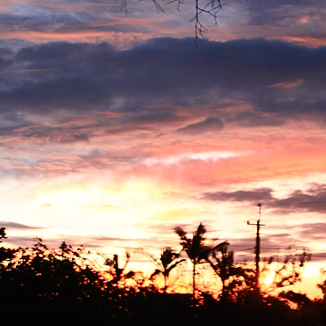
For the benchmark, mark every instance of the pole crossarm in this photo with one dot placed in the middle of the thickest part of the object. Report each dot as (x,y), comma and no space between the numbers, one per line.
(248,222)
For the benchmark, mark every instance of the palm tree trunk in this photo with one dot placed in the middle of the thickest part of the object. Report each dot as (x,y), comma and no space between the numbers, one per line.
(193,284)
(165,277)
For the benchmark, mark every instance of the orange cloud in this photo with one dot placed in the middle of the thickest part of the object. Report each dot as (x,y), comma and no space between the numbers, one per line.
(288,85)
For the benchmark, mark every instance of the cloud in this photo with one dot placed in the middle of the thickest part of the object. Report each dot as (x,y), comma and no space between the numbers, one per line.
(80,21)
(255,195)
(157,101)
(288,85)
(210,124)
(203,156)
(278,13)
(152,84)
(313,231)
(13,225)
(276,245)
(311,200)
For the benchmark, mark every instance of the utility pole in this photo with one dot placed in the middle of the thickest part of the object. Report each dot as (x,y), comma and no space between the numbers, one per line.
(257,251)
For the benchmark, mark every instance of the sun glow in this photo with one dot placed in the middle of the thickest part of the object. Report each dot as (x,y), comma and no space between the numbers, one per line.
(270,277)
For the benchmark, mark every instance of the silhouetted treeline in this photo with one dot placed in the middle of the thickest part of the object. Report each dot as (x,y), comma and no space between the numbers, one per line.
(43,286)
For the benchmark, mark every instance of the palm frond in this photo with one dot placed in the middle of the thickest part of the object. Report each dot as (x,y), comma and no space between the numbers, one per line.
(155,273)
(169,269)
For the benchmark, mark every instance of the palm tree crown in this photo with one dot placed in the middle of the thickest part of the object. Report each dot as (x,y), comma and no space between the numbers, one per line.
(169,259)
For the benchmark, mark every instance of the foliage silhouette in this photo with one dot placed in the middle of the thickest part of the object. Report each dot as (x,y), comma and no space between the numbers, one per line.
(169,260)
(322,285)
(297,298)
(116,272)
(198,252)
(222,262)
(43,274)
(289,270)
(2,233)
(66,286)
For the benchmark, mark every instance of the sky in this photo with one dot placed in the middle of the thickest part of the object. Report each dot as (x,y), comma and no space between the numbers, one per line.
(116,126)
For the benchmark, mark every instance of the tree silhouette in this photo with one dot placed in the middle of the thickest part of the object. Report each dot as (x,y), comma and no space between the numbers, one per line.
(168,260)
(196,249)
(118,273)
(65,286)
(288,271)
(297,298)
(6,255)
(223,266)
(39,273)
(2,233)
(322,285)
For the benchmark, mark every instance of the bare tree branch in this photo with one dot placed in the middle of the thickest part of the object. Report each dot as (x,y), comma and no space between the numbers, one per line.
(208,7)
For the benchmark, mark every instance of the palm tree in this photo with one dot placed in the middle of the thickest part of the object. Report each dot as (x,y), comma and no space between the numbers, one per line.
(168,260)
(223,266)
(196,249)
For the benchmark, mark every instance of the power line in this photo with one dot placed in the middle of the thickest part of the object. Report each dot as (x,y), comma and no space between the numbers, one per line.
(246,249)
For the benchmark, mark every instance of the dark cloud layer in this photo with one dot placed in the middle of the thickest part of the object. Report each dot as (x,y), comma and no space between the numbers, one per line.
(256,195)
(312,200)
(62,76)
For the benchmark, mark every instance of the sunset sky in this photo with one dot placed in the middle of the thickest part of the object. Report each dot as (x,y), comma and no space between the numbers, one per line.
(115,128)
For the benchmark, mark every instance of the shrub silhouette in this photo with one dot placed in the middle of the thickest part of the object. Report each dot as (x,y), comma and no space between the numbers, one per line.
(44,286)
